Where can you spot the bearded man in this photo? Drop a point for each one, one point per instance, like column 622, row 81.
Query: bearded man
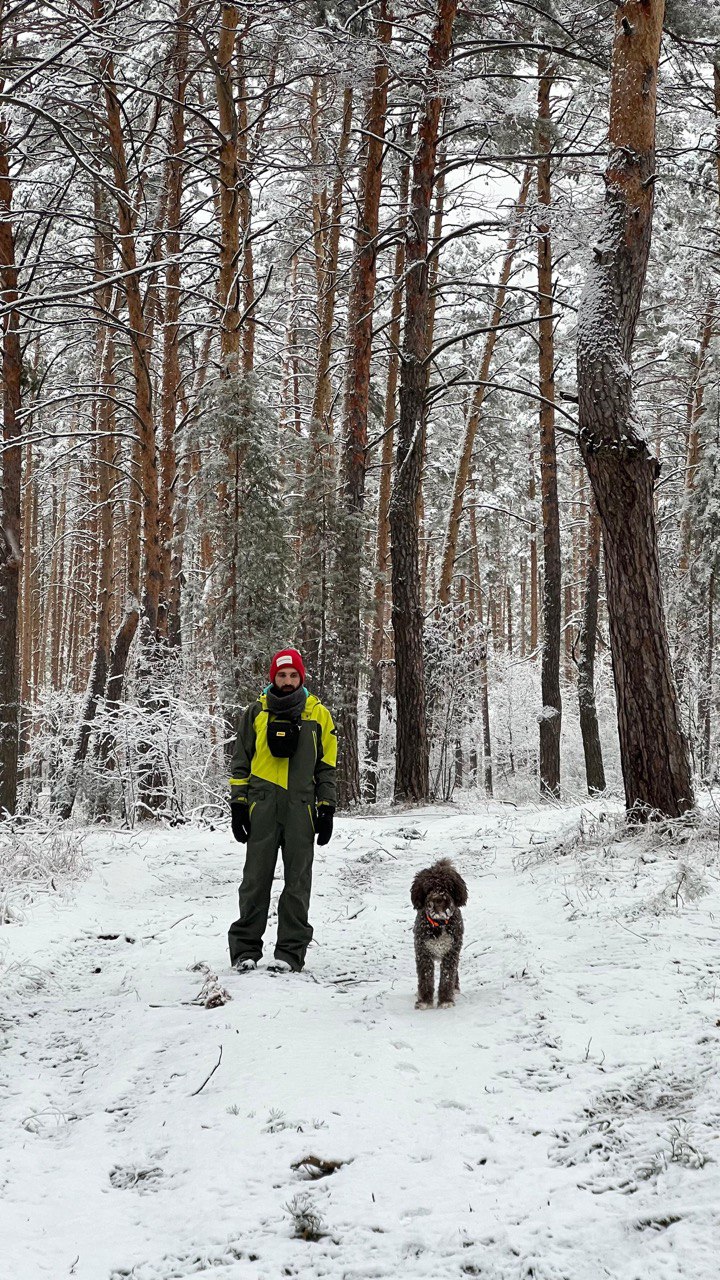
column 282, row 797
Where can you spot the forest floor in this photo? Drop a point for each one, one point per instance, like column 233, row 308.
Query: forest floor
column 562, row 1122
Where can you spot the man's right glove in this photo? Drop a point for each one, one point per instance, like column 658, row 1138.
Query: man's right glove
column 324, row 830
column 240, row 819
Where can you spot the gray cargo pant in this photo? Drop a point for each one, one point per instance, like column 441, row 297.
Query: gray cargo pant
column 278, row 821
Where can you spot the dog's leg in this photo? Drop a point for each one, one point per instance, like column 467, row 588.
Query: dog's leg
column 448, row 981
column 425, row 976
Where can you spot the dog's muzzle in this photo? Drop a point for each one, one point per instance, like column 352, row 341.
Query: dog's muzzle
column 436, row 924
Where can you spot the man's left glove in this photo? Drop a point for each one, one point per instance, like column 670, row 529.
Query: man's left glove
column 324, row 829
column 240, row 819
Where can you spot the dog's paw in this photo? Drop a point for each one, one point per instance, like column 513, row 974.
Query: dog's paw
column 422, row 1004
column 446, row 1004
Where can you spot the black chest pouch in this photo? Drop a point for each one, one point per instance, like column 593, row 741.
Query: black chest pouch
column 283, row 737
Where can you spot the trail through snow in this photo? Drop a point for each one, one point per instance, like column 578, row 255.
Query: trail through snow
column 560, row 1123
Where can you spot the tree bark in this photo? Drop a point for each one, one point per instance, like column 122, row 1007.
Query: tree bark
column 29, row 589
column 104, row 450
column 357, row 399
column 412, row 763
column 695, row 412
column 372, row 741
column 229, row 277
column 245, row 215
column 585, row 660
column 485, row 715
column 622, row 470
column 169, row 619
column 10, row 493
column 551, row 713
column 143, row 521
column 477, row 600
column 534, row 576
column 705, row 700
column 320, row 470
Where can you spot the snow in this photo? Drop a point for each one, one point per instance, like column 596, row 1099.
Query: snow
column 560, row 1123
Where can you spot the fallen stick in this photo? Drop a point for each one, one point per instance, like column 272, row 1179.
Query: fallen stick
column 147, row 936
column 212, row 1073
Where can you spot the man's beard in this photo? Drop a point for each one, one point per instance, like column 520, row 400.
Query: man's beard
column 284, row 691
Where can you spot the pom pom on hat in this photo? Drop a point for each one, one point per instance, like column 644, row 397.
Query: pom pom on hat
column 285, row 660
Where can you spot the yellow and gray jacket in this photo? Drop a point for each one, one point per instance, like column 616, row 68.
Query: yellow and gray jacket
column 309, row 774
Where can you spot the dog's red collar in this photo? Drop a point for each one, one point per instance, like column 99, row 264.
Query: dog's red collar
column 436, row 924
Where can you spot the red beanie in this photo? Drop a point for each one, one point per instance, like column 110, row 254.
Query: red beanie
column 287, row 658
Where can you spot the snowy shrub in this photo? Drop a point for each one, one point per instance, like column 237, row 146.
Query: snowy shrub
column 48, row 744
column 183, row 739
column 307, row 1221
column 680, row 1148
column 35, row 858
column 699, row 828
column 277, row 1121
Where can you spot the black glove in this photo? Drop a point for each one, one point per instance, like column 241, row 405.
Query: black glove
column 240, row 819
column 324, row 825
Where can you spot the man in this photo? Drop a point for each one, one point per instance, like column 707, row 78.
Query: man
column 282, row 795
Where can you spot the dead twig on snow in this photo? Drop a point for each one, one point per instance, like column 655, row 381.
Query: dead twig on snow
column 212, row 1073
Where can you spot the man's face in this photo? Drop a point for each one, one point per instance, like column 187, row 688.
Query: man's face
column 286, row 679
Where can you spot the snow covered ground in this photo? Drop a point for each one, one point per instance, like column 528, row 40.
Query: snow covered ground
column 562, row 1122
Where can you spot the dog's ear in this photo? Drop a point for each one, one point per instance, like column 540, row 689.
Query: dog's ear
column 420, row 888
column 457, row 887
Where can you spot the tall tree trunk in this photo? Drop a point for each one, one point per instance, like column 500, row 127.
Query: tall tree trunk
column 51, row 615
column 694, row 450
column 705, row 700
column 169, row 620
column 10, row 512
column 27, row 608
column 412, row 764
column 532, row 527
column 245, row 215
column 551, row 713
column 485, row 715
column 483, row 657
column 104, row 451
column 229, row 297
column 377, row 643
column 433, row 277
column 357, row 399
column 229, row 276
column 592, row 748
column 150, row 781
column 622, row 470
column 320, row 468
column 693, row 454
column 143, row 530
